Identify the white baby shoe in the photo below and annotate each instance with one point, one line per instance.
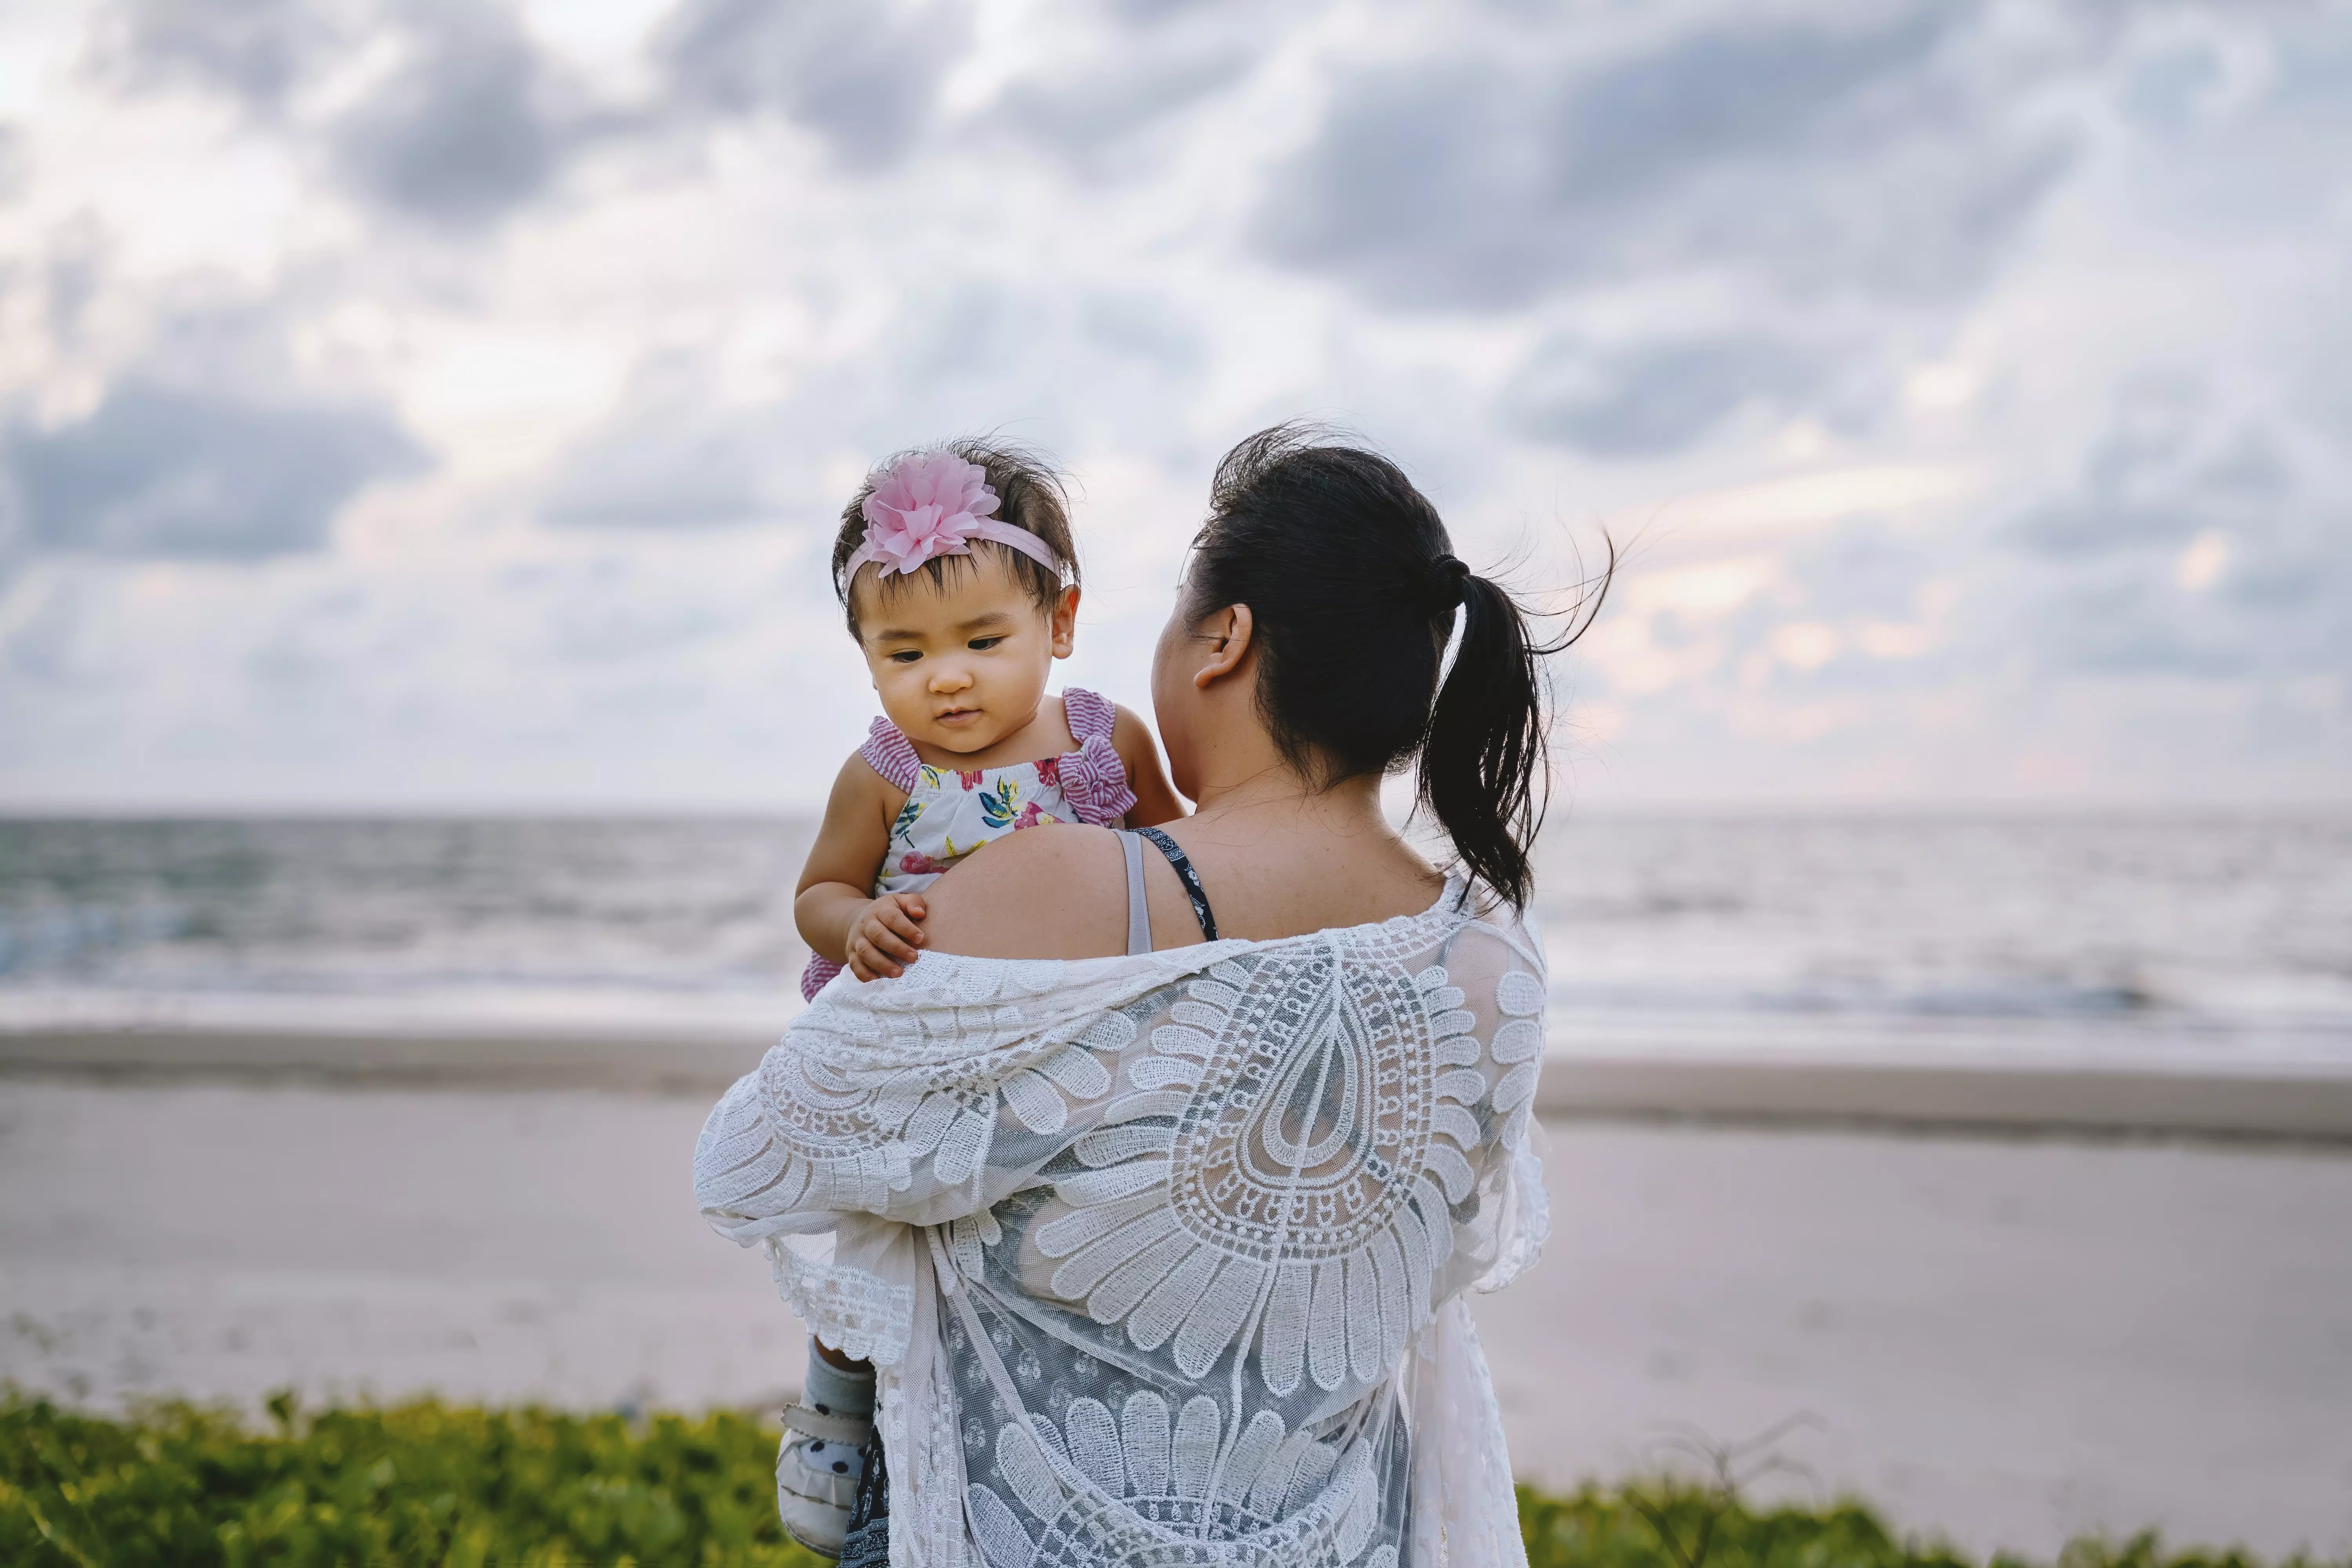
(819, 1464)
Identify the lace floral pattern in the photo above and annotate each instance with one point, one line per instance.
(1182, 1239)
(1330, 1237)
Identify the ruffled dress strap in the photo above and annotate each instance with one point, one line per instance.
(1094, 778)
(888, 752)
(820, 970)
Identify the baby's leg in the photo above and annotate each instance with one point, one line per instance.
(819, 1468)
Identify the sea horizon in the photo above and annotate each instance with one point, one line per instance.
(2177, 935)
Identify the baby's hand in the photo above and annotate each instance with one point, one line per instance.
(884, 936)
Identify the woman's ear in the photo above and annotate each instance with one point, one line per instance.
(1230, 629)
(1066, 621)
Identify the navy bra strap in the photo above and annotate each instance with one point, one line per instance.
(1189, 877)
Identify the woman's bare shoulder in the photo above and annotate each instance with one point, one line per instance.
(1047, 893)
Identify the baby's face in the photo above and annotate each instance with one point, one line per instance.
(961, 664)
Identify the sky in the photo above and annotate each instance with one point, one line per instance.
(410, 404)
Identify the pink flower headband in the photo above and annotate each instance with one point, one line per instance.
(935, 503)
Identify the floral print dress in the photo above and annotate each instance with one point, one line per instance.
(951, 812)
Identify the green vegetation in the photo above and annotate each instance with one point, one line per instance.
(427, 1482)
(414, 1483)
(1679, 1525)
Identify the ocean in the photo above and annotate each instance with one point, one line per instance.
(2129, 938)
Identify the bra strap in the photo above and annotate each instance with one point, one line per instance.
(1191, 879)
(1139, 913)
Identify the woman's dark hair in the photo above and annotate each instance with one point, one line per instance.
(1029, 495)
(1352, 585)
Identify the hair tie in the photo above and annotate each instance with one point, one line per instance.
(1447, 574)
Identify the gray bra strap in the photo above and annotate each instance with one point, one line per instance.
(1139, 913)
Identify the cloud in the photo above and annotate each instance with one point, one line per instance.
(1088, 117)
(1644, 399)
(47, 644)
(1119, 74)
(258, 52)
(155, 471)
(469, 123)
(2155, 479)
(1850, 157)
(671, 457)
(73, 273)
(1145, 328)
(862, 74)
(471, 127)
(16, 163)
(1838, 296)
(695, 442)
(209, 442)
(2190, 545)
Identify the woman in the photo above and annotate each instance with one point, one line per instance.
(1154, 1187)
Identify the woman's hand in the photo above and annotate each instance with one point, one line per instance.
(884, 936)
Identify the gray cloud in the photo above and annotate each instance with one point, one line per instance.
(1146, 327)
(47, 646)
(603, 612)
(2155, 480)
(72, 273)
(1090, 117)
(669, 460)
(974, 355)
(260, 52)
(1644, 399)
(155, 471)
(1844, 158)
(1150, 10)
(1869, 568)
(1739, 93)
(2275, 596)
(1145, 74)
(861, 73)
(16, 163)
(470, 125)
(673, 456)
(469, 129)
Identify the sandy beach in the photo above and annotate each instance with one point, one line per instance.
(2002, 1341)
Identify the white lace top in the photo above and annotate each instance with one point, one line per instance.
(1163, 1258)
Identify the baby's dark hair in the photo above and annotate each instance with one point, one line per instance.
(1351, 582)
(1029, 495)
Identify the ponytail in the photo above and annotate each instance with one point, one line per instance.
(1351, 581)
(1485, 743)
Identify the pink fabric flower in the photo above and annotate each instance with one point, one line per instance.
(1031, 815)
(971, 780)
(1049, 771)
(926, 506)
(935, 503)
(1094, 781)
(915, 863)
(1093, 778)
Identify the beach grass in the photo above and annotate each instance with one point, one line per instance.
(430, 1483)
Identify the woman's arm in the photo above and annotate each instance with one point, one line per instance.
(1156, 800)
(1051, 893)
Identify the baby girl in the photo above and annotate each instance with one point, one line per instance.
(955, 568)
